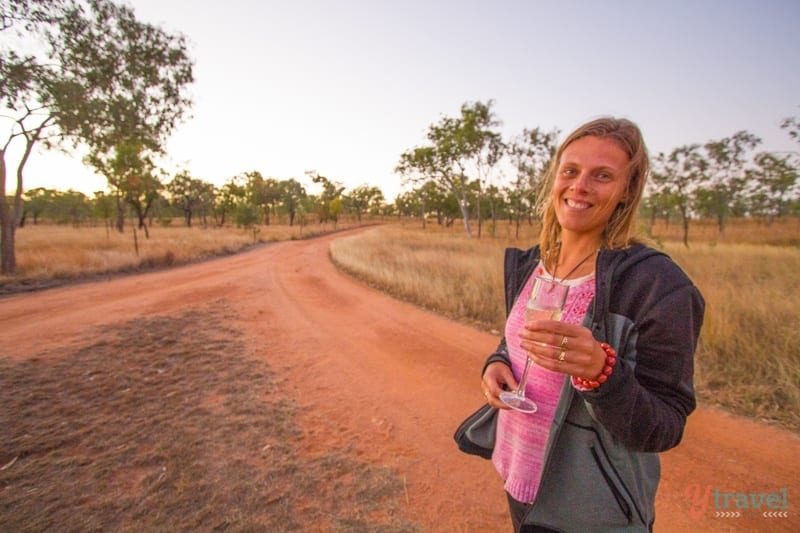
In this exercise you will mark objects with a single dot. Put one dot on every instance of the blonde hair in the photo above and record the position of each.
(619, 230)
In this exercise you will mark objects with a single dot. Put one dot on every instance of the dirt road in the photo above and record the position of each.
(392, 381)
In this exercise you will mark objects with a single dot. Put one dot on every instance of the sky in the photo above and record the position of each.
(344, 87)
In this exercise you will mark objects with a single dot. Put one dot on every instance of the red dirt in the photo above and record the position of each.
(393, 381)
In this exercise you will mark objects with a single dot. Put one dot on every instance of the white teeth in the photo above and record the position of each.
(577, 204)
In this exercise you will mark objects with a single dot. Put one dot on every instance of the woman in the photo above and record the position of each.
(613, 378)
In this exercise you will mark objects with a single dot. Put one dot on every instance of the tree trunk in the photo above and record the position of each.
(8, 219)
(120, 214)
(494, 220)
(7, 259)
(685, 230)
(480, 218)
(465, 216)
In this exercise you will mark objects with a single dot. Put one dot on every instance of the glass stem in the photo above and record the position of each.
(524, 380)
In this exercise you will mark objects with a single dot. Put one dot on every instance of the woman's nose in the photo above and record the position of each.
(581, 182)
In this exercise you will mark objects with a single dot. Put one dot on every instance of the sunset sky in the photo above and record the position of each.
(344, 87)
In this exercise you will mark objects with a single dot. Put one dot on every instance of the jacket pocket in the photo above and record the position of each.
(580, 489)
(603, 467)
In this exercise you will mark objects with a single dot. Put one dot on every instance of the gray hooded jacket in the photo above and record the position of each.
(601, 467)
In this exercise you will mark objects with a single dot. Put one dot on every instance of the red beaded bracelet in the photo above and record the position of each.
(611, 360)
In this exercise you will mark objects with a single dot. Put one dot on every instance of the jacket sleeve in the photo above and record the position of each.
(500, 355)
(647, 398)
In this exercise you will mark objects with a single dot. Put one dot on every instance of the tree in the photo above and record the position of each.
(272, 196)
(531, 154)
(364, 197)
(96, 76)
(71, 207)
(495, 201)
(724, 178)
(414, 170)
(262, 192)
(408, 204)
(335, 207)
(481, 148)
(776, 182)
(37, 202)
(228, 197)
(792, 126)
(141, 191)
(458, 146)
(189, 194)
(657, 205)
(331, 191)
(142, 97)
(426, 198)
(292, 197)
(447, 152)
(133, 180)
(676, 176)
(246, 215)
(103, 207)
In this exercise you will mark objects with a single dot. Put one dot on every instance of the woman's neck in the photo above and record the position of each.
(575, 258)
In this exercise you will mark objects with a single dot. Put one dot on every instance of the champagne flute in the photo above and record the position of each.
(546, 303)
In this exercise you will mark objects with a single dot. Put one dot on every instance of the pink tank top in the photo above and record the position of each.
(521, 438)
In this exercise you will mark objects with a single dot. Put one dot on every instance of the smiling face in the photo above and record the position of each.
(591, 180)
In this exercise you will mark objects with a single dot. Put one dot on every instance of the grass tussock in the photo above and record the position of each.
(748, 360)
(167, 424)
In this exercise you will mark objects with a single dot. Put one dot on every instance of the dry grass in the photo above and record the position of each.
(781, 232)
(168, 424)
(49, 254)
(439, 271)
(749, 356)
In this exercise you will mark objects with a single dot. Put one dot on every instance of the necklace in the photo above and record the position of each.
(576, 267)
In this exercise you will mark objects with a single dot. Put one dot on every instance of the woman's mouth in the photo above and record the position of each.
(577, 204)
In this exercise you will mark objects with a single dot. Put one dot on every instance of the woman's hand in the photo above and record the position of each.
(497, 378)
(561, 347)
